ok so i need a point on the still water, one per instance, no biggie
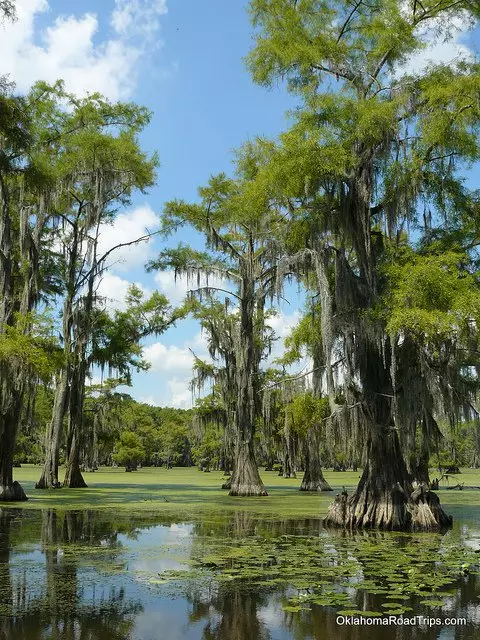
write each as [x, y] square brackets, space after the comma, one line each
[67, 575]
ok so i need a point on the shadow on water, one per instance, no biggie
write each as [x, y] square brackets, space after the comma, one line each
[75, 575]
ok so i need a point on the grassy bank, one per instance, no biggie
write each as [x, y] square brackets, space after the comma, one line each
[187, 490]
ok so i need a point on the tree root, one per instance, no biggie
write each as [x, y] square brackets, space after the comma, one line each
[240, 489]
[391, 510]
[228, 483]
[43, 484]
[315, 485]
[12, 493]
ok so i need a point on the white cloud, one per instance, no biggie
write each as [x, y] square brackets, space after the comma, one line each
[138, 17]
[181, 396]
[175, 289]
[282, 324]
[169, 358]
[68, 47]
[175, 393]
[114, 290]
[442, 48]
[127, 227]
[174, 367]
[199, 345]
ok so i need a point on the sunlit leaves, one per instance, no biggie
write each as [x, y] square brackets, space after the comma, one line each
[432, 295]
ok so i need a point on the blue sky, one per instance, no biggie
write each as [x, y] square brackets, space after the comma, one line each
[184, 60]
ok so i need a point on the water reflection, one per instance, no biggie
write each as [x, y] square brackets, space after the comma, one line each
[53, 601]
[82, 576]
[230, 613]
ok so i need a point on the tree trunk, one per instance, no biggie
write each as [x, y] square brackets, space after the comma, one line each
[288, 457]
[270, 461]
[49, 478]
[313, 479]
[384, 497]
[73, 475]
[245, 480]
[420, 472]
[10, 490]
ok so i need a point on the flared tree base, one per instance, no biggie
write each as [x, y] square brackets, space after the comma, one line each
[315, 485]
[384, 497]
[391, 510]
[243, 489]
[42, 484]
[246, 481]
[48, 482]
[228, 483]
[313, 478]
[12, 493]
[74, 479]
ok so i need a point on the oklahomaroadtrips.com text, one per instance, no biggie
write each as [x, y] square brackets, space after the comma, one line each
[400, 621]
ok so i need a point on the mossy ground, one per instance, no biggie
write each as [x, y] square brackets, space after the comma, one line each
[188, 490]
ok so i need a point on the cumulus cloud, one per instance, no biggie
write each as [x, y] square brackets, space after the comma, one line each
[283, 323]
[113, 289]
[169, 358]
[132, 18]
[129, 226]
[181, 396]
[174, 367]
[441, 47]
[68, 48]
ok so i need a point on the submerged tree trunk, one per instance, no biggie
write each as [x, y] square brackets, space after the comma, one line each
[288, 457]
[384, 497]
[245, 480]
[73, 475]
[13, 377]
[313, 479]
[49, 478]
[10, 490]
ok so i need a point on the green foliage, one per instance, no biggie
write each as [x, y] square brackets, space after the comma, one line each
[307, 411]
[163, 433]
[432, 296]
[116, 338]
[30, 346]
[130, 451]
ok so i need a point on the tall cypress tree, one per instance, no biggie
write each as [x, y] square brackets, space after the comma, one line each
[375, 152]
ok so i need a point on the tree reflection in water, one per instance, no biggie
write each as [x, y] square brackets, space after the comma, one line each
[73, 576]
[63, 610]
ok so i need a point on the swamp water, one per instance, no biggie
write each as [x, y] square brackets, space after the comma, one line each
[87, 575]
